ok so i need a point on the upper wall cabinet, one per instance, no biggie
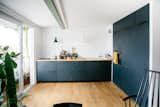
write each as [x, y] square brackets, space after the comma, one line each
[139, 17]
[125, 23]
[142, 15]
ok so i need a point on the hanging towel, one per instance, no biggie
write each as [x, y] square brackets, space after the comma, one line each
[115, 57]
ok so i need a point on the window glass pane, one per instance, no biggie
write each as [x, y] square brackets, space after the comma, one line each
[10, 36]
[26, 58]
[28, 34]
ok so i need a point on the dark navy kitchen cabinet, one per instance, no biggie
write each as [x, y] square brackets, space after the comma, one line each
[117, 74]
[46, 71]
[132, 43]
[142, 15]
[65, 71]
[79, 73]
[98, 71]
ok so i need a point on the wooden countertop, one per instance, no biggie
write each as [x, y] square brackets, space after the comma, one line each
[78, 59]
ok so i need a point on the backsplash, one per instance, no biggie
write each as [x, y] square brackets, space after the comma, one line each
[93, 42]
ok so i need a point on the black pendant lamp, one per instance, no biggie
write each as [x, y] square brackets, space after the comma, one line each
[55, 40]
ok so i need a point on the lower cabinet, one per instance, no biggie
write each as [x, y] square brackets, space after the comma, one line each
[64, 71]
[79, 71]
[46, 71]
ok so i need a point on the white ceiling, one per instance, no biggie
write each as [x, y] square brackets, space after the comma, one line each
[86, 13]
[79, 13]
[34, 10]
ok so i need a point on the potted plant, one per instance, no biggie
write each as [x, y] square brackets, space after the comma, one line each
[7, 66]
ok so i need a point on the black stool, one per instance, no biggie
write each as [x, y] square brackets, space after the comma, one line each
[67, 105]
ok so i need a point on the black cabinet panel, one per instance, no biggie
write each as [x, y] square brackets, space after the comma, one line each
[125, 23]
[47, 76]
[142, 15]
[139, 17]
[74, 71]
[47, 66]
[117, 74]
[46, 71]
[64, 71]
[98, 71]
[79, 73]
[133, 47]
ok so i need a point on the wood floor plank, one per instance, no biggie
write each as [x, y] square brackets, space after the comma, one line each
[90, 94]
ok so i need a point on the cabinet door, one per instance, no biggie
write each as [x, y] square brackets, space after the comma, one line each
[117, 74]
[47, 76]
[95, 71]
[46, 71]
[64, 71]
[125, 23]
[78, 71]
[105, 68]
[134, 53]
[142, 15]
[89, 72]
[98, 71]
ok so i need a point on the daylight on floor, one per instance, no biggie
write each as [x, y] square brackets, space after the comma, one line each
[79, 53]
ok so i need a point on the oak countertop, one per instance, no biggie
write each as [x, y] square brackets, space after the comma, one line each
[72, 60]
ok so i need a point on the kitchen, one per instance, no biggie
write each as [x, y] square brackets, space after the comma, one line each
[89, 48]
[94, 53]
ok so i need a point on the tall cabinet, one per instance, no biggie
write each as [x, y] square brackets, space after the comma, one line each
[131, 40]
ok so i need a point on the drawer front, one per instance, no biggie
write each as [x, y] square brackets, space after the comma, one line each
[46, 71]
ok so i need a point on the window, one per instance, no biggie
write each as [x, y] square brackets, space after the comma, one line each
[28, 34]
[10, 36]
[19, 38]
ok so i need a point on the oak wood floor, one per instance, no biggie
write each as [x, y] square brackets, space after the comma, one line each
[90, 94]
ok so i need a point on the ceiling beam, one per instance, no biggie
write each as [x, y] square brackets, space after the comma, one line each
[55, 8]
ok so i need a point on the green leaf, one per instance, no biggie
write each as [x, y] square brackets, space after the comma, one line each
[5, 48]
[14, 64]
[14, 55]
[11, 84]
[17, 54]
[2, 71]
[3, 85]
[1, 54]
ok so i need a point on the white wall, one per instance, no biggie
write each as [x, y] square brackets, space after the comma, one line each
[38, 40]
[154, 50]
[155, 34]
[35, 52]
[90, 42]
